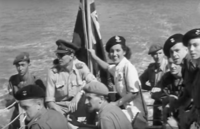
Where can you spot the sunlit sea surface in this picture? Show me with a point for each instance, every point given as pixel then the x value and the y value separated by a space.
pixel 34 26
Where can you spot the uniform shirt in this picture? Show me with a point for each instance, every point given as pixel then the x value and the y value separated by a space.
pixel 16 83
pixel 126 81
pixel 189 72
pixel 172 85
pixel 112 117
pixel 153 74
pixel 49 119
pixel 62 85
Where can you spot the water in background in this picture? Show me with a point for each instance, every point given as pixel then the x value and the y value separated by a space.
pixel 35 25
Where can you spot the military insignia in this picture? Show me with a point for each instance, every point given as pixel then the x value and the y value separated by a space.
pixel 24 93
pixel 117 38
pixel 79 65
pixel 25 57
pixel 172 40
pixel 197 32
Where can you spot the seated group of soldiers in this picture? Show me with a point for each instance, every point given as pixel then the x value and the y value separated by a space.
pixel 173 79
pixel 72 91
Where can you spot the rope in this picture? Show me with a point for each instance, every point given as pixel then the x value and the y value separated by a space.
pixel 9 106
pixel 12 121
pixel 22 127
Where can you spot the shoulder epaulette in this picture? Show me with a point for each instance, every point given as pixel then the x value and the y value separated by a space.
pixel 54 69
pixel 79 65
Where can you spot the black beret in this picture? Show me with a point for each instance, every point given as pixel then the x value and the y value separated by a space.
pixel 154 48
pixel 115 40
pixel 64 46
pixel 24 56
pixel 96 87
pixel 30 92
pixel 192 34
pixel 170 42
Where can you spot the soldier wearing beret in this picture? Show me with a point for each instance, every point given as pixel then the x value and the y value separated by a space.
pixel 153 74
pixel 192 40
pixel 126 80
pixel 176 48
pixel 23 78
pixel 66 79
pixel 31 99
pixel 110 116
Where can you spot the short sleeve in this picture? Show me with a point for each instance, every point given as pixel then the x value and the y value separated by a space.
pixel 111 69
pixel 131 78
pixel 50 88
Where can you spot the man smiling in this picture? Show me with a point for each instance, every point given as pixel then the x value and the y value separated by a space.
pixel 110 116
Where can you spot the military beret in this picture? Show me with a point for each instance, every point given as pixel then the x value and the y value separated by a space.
pixel 24 56
pixel 115 40
pixel 154 48
pixel 192 34
pixel 64 46
pixel 170 42
pixel 30 92
pixel 96 87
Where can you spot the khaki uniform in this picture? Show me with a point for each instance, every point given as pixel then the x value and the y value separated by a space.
pixel 63 86
pixel 49 119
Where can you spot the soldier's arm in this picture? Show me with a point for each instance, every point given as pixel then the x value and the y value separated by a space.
pixel 85 73
pixel 40 83
pixel 182 100
pixel 144 77
pixel 50 89
pixel 50 93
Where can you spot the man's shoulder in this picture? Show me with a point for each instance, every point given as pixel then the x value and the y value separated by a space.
pixel 110 109
pixel 79 64
pixel 151 66
pixel 13 77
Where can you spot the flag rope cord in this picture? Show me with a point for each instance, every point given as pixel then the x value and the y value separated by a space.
pixel 10 106
pixel 14 120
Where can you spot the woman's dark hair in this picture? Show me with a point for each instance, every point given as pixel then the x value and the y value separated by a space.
pixel 127 50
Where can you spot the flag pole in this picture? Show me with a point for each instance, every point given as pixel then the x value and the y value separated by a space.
pixel 89 28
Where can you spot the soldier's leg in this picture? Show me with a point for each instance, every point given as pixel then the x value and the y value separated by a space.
pixel 157 113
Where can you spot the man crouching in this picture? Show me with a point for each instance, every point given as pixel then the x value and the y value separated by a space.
pixel 109 115
pixel 31 99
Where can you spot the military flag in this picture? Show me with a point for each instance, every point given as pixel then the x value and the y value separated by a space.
pixel 87 36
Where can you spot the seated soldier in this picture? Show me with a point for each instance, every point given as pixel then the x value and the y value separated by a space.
pixel 31 99
pixel 65 81
pixel 109 115
pixel 23 78
pixel 171 88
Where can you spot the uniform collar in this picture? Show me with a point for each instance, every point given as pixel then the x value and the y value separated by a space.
pixel 102 107
pixel 37 117
pixel 121 63
pixel 162 66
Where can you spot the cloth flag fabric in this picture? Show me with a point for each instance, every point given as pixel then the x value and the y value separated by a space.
pixel 87 35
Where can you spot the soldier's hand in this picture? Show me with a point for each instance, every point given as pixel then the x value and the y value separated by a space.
pixel 73 106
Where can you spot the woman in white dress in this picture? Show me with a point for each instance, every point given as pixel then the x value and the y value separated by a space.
pixel 126 79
